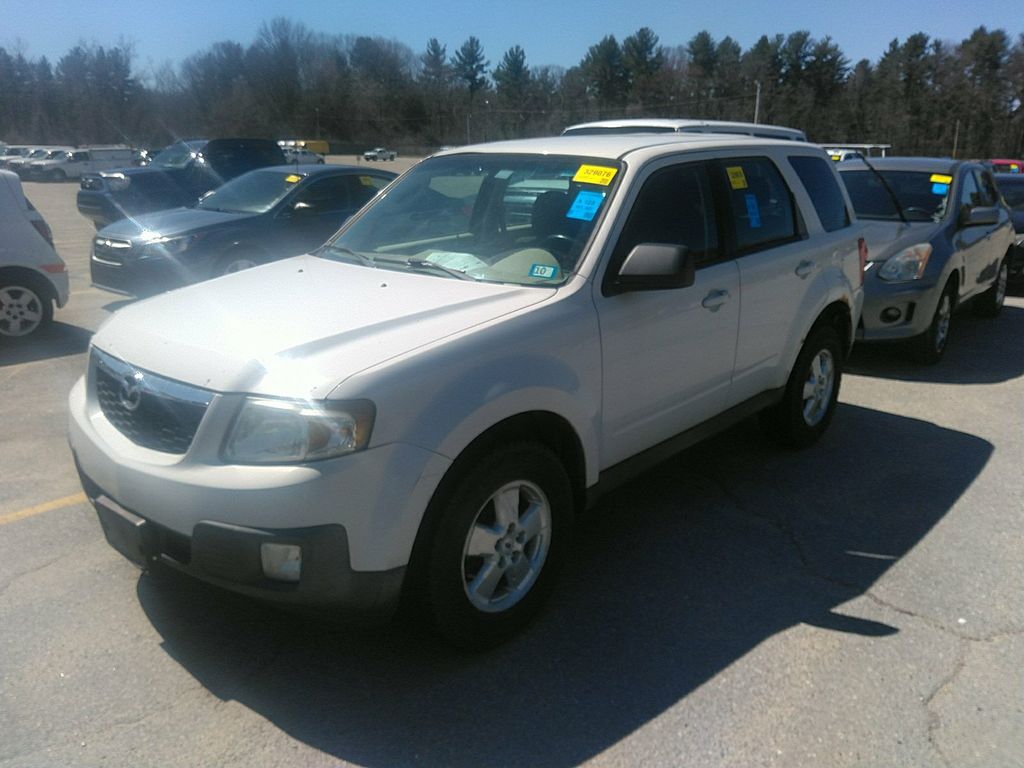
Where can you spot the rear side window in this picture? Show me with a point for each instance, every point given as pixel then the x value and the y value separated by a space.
pixel 674 207
pixel 761 205
pixel 820 182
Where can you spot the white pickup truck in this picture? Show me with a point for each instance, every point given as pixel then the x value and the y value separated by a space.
pixel 379 153
pixel 425 406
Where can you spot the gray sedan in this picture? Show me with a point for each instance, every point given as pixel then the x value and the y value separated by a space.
pixel 939 236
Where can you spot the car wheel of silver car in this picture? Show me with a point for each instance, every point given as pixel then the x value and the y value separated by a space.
pixel 990 303
pixel 809 401
pixel 501 537
pixel 24 309
pixel 931 345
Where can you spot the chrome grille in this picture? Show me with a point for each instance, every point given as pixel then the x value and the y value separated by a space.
pixel 109 250
pixel 149 410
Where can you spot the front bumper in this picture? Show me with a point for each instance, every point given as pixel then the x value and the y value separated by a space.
pixel 139 277
pixel 915 303
pixel 357 516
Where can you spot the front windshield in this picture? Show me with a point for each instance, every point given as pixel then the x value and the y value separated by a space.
pixel 923 195
pixel 253 192
pixel 522 219
pixel 176 156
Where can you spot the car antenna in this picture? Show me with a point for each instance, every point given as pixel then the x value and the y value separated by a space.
pixel 895 200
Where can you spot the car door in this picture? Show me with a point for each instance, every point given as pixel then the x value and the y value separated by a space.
pixel 971 241
pixel 319 209
pixel 667 354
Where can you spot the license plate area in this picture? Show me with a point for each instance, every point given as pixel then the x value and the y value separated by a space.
pixel 126 532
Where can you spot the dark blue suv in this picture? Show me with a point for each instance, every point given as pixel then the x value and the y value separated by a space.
pixel 177 176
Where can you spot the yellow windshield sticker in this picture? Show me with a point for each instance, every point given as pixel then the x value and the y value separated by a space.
pixel 737 178
pixel 941 178
pixel 595 174
pixel 292 178
pixel 837 157
pixel 366 181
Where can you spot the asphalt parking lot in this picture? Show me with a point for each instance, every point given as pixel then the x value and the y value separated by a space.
pixel 856 604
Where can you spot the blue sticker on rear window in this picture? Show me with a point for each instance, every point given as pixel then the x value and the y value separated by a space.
pixel 586 205
pixel 546 271
pixel 753 211
pixel 940 189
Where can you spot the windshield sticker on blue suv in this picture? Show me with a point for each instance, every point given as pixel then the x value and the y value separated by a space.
pixel 586 205
pixel 753 211
pixel 940 189
pixel 545 271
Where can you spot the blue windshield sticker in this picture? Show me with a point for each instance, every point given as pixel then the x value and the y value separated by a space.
pixel 940 189
pixel 545 271
pixel 753 211
pixel 586 205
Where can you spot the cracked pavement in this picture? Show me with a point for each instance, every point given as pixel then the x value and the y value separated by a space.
pixel 858 604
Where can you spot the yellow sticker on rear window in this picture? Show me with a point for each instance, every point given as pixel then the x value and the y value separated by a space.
pixel 737 178
pixel 595 174
pixel 941 178
pixel 292 178
pixel 367 181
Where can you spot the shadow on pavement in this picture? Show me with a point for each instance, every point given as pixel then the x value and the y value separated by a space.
pixel 56 340
pixel 674 578
pixel 980 351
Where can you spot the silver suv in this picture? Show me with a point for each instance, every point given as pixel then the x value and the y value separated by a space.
pixel 423 406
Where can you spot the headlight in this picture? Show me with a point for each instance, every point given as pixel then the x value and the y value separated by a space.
pixel 116 181
pixel 288 431
pixel 168 246
pixel 908 264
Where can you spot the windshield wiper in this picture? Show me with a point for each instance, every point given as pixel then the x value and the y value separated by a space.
pixel 425 264
pixel 361 257
pixel 895 200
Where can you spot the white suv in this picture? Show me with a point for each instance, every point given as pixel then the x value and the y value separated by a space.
pixel 422 407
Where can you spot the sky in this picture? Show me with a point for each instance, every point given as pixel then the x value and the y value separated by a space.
pixel 551 32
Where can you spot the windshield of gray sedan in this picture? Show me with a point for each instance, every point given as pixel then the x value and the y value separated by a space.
pixel 522 219
pixel 253 192
pixel 922 194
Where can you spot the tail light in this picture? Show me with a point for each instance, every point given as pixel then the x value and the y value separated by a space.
pixel 862 250
pixel 44 230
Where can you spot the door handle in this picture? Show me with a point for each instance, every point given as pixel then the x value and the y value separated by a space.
pixel 804 268
pixel 715 300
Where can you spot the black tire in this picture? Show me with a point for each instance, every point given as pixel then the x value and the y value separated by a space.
pixel 930 346
pixel 236 260
pixel 990 303
pixel 799 419
pixel 453 604
pixel 57 175
pixel 25 307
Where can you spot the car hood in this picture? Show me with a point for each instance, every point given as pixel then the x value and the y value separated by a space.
pixel 174 221
pixel 884 238
pixel 300 327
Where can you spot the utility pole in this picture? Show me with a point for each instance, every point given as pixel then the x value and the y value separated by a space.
pixel 956 137
pixel 757 101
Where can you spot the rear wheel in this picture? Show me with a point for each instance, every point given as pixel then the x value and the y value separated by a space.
pixel 24 308
pixel 57 175
pixel 501 538
pixel 990 303
pixel 809 402
pixel 931 345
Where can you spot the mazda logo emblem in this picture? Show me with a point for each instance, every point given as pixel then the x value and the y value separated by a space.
pixel 130 395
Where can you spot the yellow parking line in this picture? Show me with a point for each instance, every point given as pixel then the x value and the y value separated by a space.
pixel 21 514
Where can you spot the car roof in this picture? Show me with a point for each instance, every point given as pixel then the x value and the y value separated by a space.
pixel 619 146
pixel 920 164
pixel 1009 178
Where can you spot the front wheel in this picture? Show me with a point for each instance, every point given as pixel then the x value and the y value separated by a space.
pixel 24 308
pixel 230 263
pixel 809 401
pixel 500 540
pixel 931 345
pixel 990 303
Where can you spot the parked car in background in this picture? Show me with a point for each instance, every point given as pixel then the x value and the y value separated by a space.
pixel 29 169
pixel 943 241
pixel 13 152
pixel 301 156
pixel 74 163
pixel 1006 165
pixel 659 125
pixel 1011 185
pixel 177 176
pixel 426 403
pixel 16 162
pixel 258 217
pixel 379 153
pixel 33 278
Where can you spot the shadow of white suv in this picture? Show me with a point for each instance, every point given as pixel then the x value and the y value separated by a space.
pixel 422 407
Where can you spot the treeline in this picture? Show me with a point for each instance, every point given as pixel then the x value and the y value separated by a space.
pixel 924 96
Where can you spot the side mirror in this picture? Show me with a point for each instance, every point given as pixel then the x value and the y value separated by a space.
pixel 302 207
pixel 979 216
pixel 655 267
